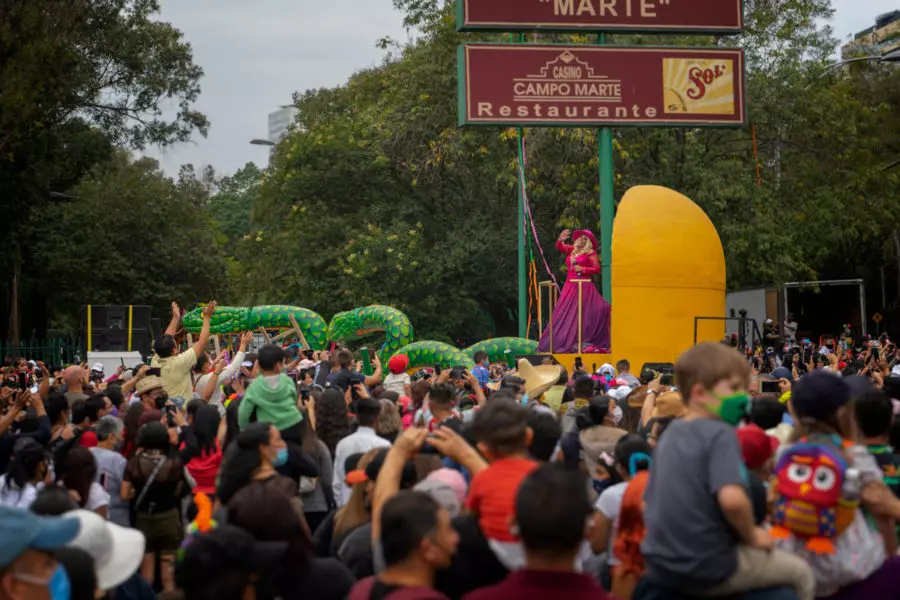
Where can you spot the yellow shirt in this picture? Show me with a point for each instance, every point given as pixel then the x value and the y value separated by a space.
pixel 175 373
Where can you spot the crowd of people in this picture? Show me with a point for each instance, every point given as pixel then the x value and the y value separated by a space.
pixel 285 474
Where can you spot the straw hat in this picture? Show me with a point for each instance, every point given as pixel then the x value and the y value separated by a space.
pixel 636 397
pixel 669 404
pixel 538 379
pixel 151 382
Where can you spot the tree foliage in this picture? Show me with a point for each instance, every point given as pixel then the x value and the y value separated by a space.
pixel 381 198
pixel 130 236
pixel 79 78
pixel 231 204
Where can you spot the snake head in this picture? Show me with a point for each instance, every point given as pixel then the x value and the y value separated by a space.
pixel 344 326
pixel 193 320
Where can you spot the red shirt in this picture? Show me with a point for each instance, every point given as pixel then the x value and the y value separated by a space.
pixel 540 585
pixel 492 495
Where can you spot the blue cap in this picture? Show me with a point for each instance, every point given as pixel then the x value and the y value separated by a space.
pixel 818 395
pixel 21 529
pixel 783 373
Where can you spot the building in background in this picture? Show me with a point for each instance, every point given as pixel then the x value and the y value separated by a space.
pixel 280 122
pixel 880 38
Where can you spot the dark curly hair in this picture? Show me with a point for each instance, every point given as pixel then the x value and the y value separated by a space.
pixel 332 422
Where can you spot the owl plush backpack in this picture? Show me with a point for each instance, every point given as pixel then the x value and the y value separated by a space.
pixel 817 492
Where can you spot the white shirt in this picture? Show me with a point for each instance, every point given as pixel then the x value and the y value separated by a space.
pixel 610 503
pixel 13 497
pixel 790 330
pixel 218 397
pixel 362 441
pixel 97 497
pixel 396 383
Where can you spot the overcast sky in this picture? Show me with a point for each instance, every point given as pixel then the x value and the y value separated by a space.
pixel 256 54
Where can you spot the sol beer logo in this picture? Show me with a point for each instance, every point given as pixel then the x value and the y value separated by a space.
pixel 704 86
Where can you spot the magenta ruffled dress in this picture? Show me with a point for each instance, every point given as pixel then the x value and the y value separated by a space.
pixel 596 312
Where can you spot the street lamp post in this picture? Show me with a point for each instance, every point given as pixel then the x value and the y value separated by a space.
pixel 887 57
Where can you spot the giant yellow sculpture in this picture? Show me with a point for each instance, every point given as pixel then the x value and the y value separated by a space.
pixel 668 267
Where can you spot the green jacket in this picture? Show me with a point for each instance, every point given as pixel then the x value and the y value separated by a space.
pixel 276 405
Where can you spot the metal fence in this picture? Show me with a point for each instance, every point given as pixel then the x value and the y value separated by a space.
pixel 52 351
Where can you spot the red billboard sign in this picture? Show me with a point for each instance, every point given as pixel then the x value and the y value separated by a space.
pixel 600 86
pixel 700 16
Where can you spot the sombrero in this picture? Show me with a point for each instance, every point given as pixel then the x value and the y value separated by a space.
pixel 588 234
pixel 537 379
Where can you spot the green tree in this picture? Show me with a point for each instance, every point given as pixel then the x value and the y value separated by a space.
pixel 130 237
pixel 383 178
pixel 231 204
pixel 76 79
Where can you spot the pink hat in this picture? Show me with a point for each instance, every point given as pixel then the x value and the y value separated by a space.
pixel 452 479
pixel 588 234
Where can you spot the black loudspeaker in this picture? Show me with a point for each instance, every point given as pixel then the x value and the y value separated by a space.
pixel 667 370
pixel 106 328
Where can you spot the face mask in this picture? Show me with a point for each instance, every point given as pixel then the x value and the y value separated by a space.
pixel 57 585
pixel 733 408
pixel 600 485
pixel 114 411
pixel 617 415
pixel 525 398
pixel 280 458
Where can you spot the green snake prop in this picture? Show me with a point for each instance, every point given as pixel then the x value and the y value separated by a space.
pixel 360 322
pixel 354 324
pixel 230 319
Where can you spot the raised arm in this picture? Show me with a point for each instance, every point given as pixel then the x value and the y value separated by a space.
pixel 238 358
pixel 561 244
pixel 200 345
pixel 172 329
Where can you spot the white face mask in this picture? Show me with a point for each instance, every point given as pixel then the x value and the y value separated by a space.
pixel 617 415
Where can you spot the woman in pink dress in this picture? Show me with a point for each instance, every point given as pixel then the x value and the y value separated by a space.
pixel 582 262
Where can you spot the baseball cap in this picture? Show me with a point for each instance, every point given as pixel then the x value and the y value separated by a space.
pixel 818 395
pixel 782 373
pixel 117 551
pixel 756 446
pixel 98 367
pixel 21 530
pixel 151 382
